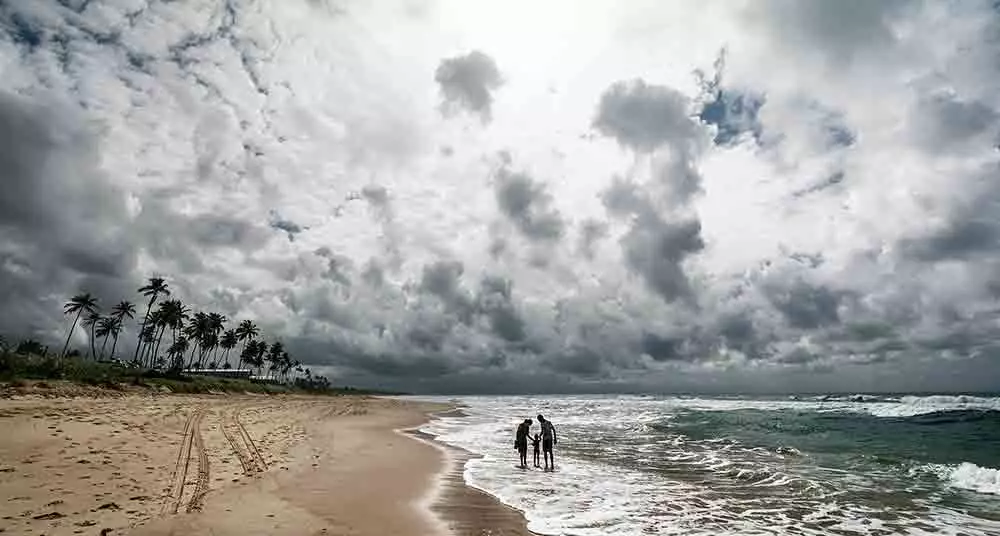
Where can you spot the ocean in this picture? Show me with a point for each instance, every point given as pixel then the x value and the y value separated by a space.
pixel 801 465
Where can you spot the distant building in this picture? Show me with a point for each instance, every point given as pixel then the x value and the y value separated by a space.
pixel 220 373
pixel 265 379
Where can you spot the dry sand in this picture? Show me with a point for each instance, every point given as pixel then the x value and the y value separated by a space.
pixel 233 465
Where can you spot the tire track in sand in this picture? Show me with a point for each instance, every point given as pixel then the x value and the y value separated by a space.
pixel 179 474
pixel 248 440
pixel 230 429
pixel 191 440
pixel 201 483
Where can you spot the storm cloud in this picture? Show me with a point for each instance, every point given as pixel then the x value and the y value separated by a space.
pixel 467 82
pixel 766 225
pixel 64 225
pixel 525 202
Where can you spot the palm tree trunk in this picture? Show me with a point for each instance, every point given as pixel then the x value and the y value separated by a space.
pixel 146 347
pixel 113 347
pixel 156 349
pixel 244 349
pixel 143 328
pixel 104 345
pixel 66 346
pixel 93 348
pixel 191 356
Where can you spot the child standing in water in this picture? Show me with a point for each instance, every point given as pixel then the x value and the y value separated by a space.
pixel 536 440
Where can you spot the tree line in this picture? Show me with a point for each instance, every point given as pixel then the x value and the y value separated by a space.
pixel 195 338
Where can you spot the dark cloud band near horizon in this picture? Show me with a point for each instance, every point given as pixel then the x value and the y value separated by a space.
pixel 731 215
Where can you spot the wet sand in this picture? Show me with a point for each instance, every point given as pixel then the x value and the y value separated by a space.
pixel 223 464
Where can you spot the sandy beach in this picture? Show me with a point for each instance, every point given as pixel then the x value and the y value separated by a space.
pixel 224 464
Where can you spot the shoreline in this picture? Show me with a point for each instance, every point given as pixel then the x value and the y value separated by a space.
pixel 466 510
pixel 169 464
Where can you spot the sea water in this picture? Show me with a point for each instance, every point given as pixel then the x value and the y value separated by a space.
pixel 803 465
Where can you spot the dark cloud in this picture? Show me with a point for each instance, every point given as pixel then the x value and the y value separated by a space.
pixel 662 348
pixel 443 279
pixel 645 117
pixel 581 362
pixel 806 306
pixel 945 122
pixel 797 356
pixel 656 249
pixel 381 206
pixel 527 205
pixel 624 198
pixel 289 227
pixel 829 182
pixel 591 232
pixel 468 82
pixel 373 274
pixel 376 195
pixel 183 240
pixel 339 267
pixel 841 31
pixel 960 239
pixel 62 224
pixel 495 301
pixel 970 230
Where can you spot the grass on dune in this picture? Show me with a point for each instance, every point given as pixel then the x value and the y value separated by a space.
pixel 39 372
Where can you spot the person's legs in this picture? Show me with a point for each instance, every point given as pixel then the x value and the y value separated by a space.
pixel 547 452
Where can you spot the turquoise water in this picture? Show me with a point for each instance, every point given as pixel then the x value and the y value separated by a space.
pixel 853 465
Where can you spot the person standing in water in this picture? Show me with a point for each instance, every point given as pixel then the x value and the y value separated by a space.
pixel 549 440
pixel 535 442
pixel 521 441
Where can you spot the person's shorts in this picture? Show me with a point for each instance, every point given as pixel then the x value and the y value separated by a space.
pixel 521 447
pixel 546 445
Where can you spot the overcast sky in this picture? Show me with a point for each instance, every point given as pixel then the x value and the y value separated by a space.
pixel 537 196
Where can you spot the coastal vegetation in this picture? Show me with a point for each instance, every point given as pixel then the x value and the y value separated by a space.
pixel 176 348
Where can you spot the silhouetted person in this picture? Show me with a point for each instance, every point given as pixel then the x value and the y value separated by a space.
pixel 521 441
pixel 536 441
pixel 549 439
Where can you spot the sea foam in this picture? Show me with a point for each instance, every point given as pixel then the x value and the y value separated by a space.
pixel 969 476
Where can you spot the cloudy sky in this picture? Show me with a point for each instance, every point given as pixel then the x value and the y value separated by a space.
pixel 558 196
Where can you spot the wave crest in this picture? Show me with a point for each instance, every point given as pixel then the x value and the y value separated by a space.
pixel 968 476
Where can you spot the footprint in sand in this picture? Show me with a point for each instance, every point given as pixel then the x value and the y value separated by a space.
pixel 48 516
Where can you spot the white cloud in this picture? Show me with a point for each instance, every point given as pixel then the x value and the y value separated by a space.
pixel 850 211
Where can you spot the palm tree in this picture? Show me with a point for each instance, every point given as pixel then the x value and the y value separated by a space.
pixel 286 365
pixel 198 331
pixel 79 304
pixel 152 290
pixel 274 356
pixel 256 358
pixel 216 324
pixel 29 347
pixel 90 322
pixel 105 327
pixel 246 332
pixel 248 353
pixel 173 313
pixel 120 312
pixel 176 353
pixel 227 343
pixel 153 321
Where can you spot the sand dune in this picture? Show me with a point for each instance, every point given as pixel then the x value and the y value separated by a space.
pixel 170 464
